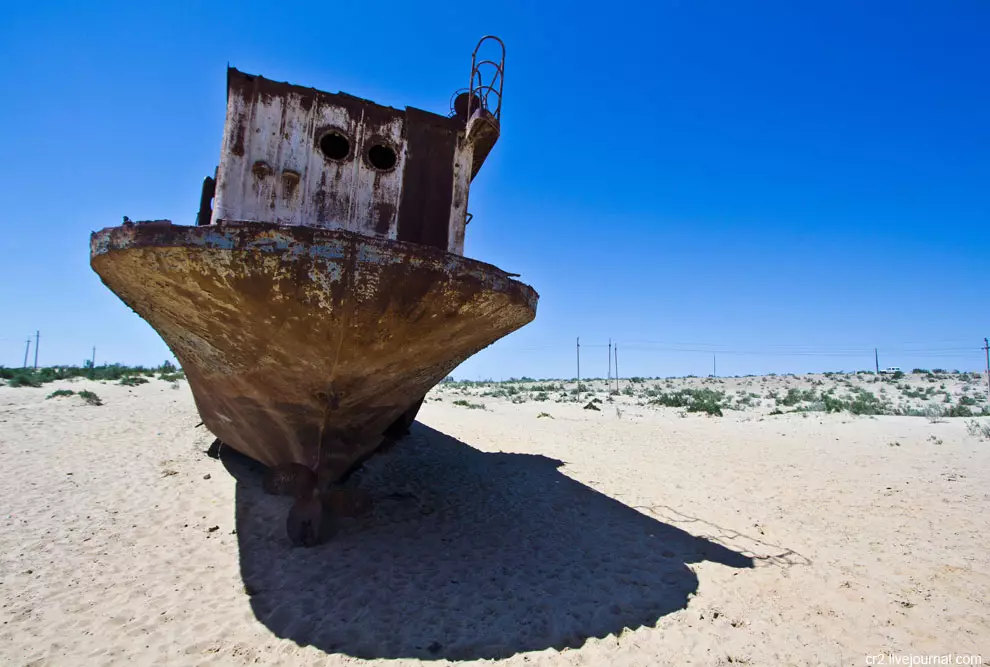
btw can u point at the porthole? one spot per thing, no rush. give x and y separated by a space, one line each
382 157
334 145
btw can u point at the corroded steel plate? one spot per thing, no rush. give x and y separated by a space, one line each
302 345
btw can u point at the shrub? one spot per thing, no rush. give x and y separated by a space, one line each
959 411
469 405
710 408
90 398
544 414
679 399
865 403
25 378
133 380
795 396
833 404
978 430
934 412
918 393
61 392
695 400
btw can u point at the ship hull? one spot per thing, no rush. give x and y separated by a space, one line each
304 345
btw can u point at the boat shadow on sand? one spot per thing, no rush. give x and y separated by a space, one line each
465 555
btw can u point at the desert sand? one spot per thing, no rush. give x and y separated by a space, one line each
629 535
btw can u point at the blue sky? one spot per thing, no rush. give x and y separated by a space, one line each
786 184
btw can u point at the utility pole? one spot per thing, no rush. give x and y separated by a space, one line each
579 368
93 360
26 350
876 358
609 390
714 374
37 337
986 348
616 352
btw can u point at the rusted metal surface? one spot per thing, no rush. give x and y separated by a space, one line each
430 185
322 292
303 345
272 168
298 156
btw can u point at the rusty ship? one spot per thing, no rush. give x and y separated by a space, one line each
322 290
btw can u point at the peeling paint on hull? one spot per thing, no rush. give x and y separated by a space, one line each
302 345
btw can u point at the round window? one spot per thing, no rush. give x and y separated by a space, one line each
334 145
382 157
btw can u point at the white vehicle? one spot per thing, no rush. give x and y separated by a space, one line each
891 369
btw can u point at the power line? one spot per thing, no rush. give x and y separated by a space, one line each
772 350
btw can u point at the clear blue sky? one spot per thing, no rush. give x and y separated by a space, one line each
757 178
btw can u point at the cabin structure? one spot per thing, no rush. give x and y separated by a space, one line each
298 156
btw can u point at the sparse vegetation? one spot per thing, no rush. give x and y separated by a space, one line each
865 403
795 396
26 378
30 377
469 405
978 430
708 401
933 412
90 397
934 395
61 392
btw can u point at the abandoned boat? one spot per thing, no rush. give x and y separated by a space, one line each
323 290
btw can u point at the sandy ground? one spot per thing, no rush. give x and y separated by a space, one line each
630 536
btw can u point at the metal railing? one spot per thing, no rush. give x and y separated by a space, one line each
485 89
480 92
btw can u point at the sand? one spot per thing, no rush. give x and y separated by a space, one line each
630 536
